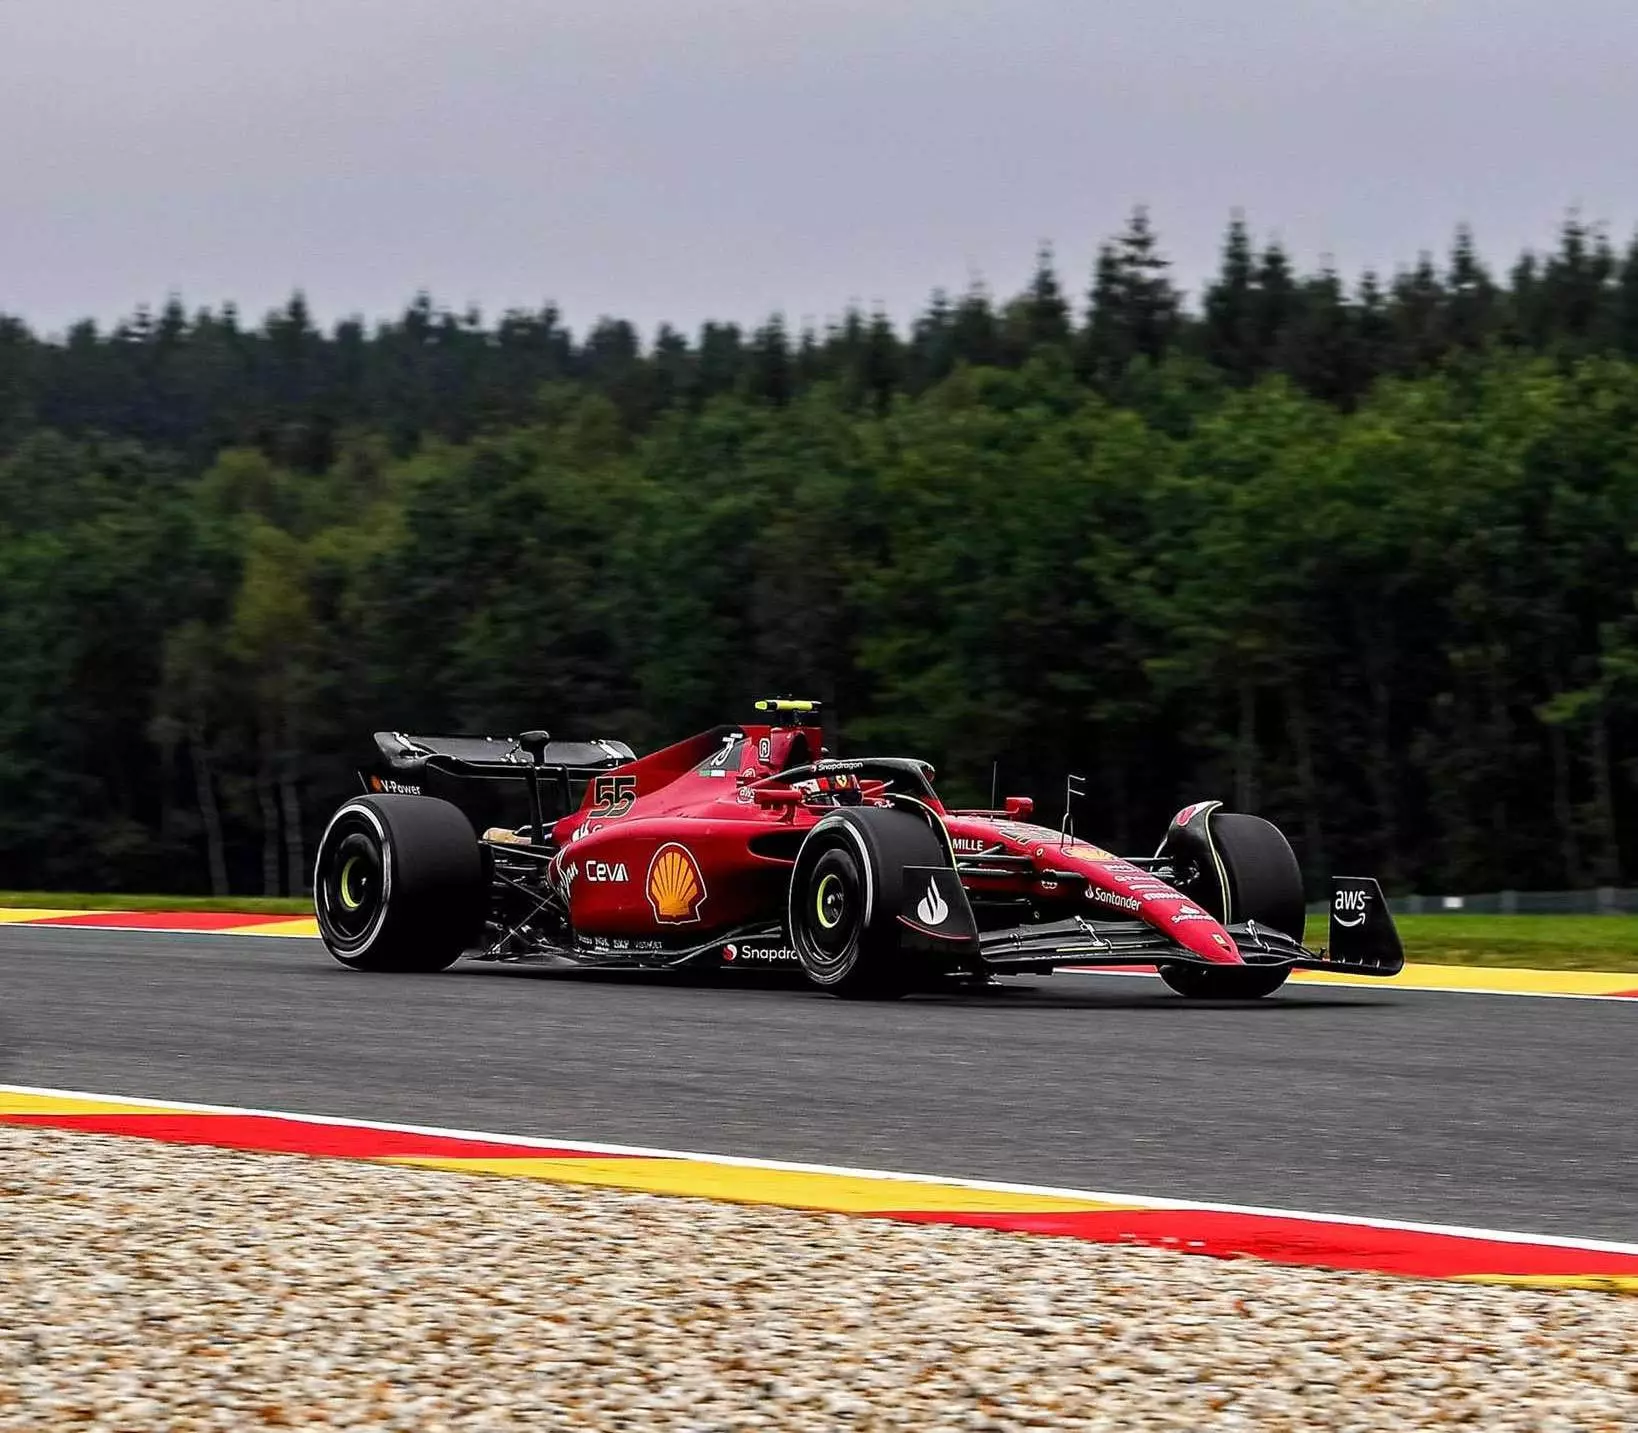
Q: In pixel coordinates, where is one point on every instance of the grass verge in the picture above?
(1534, 942)
(109, 901)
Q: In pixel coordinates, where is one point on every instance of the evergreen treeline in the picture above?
(1357, 556)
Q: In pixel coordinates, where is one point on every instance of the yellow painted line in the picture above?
(749, 1184)
(307, 929)
(1284, 1236)
(16, 915)
(19, 1102)
(1487, 978)
(1590, 1283)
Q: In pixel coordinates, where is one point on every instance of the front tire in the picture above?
(1263, 883)
(846, 892)
(399, 884)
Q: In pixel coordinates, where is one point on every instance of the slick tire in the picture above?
(1264, 885)
(846, 890)
(399, 884)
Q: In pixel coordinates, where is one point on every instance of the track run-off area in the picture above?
(1386, 1106)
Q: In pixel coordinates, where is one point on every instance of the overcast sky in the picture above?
(684, 159)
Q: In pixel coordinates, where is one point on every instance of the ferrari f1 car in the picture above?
(749, 846)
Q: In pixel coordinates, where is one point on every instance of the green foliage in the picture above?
(170, 904)
(1527, 942)
(1360, 557)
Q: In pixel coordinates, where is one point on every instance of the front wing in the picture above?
(1363, 940)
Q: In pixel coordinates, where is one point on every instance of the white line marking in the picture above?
(1365, 982)
(1138, 1201)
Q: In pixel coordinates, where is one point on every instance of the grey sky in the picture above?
(686, 159)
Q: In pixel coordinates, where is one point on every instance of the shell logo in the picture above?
(676, 889)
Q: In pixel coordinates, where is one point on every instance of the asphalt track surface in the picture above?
(1496, 1111)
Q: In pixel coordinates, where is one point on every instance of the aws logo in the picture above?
(676, 889)
(1350, 908)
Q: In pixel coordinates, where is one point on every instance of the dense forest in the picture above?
(1353, 553)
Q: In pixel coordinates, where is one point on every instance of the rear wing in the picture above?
(406, 754)
(488, 776)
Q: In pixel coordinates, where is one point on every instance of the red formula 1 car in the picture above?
(747, 846)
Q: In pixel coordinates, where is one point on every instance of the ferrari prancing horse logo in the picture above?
(676, 889)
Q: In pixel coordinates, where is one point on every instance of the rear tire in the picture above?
(846, 892)
(399, 884)
(1265, 885)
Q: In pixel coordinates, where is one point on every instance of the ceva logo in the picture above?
(1350, 908)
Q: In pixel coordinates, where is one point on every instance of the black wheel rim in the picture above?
(830, 909)
(351, 885)
(830, 904)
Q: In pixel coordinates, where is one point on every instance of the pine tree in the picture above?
(1132, 308)
(1039, 317)
(18, 360)
(1320, 347)
(1274, 303)
(1606, 270)
(1574, 283)
(297, 351)
(1229, 330)
(612, 360)
(1105, 348)
(1416, 311)
(721, 358)
(881, 367)
(844, 349)
(672, 368)
(768, 374)
(1625, 337)
(1152, 302)
(975, 333)
(1374, 329)
(931, 354)
(1470, 296)
(1527, 324)
(812, 362)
